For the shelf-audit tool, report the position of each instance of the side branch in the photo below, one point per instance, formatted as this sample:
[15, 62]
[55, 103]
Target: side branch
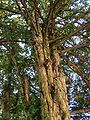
[78, 29]
[16, 41]
[4, 41]
[78, 70]
[75, 47]
[50, 19]
[62, 39]
[82, 15]
[35, 6]
[29, 18]
[85, 110]
[25, 7]
[8, 9]
[79, 58]
[19, 7]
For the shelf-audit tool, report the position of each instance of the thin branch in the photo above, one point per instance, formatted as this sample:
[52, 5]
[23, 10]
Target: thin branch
[3, 41]
[8, 9]
[19, 7]
[78, 70]
[50, 18]
[79, 58]
[84, 110]
[25, 7]
[62, 39]
[76, 47]
[30, 19]
[82, 15]
[16, 41]
[78, 29]
[35, 6]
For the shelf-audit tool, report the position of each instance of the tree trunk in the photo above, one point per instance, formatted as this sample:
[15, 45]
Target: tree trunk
[54, 103]
[27, 90]
[6, 98]
[27, 97]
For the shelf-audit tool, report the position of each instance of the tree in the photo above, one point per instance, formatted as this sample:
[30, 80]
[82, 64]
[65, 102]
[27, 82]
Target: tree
[59, 33]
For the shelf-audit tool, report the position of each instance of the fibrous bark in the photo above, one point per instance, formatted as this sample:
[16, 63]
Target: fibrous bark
[54, 103]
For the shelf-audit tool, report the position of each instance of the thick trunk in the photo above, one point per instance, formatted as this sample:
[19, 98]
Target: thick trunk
[54, 103]
[60, 96]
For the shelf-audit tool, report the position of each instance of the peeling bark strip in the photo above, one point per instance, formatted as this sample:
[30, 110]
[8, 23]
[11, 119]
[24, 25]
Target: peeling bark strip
[54, 103]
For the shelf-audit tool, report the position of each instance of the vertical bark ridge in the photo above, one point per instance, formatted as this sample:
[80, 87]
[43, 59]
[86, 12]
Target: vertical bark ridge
[54, 104]
[60, 83]
[46, 104]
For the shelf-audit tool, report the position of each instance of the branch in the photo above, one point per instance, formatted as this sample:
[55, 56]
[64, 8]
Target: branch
[25, 7]
[2, 41]
[5, 41]
[78, 29]
[84, 110]
[8, 9]
[78, 70]
[75, 47]
[15, 41]
[35, 6]
[79, 58]
[82, 15]
[50, 18]
[29, 18]
[62, 39]
[19, 7]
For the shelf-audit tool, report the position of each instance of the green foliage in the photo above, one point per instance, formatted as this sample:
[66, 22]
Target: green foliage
[17, 35]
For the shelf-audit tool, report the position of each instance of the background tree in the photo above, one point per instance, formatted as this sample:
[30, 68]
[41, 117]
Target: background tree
[41, 42]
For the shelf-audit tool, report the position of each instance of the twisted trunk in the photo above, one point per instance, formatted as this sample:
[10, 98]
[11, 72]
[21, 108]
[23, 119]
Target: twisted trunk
[54, 104]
